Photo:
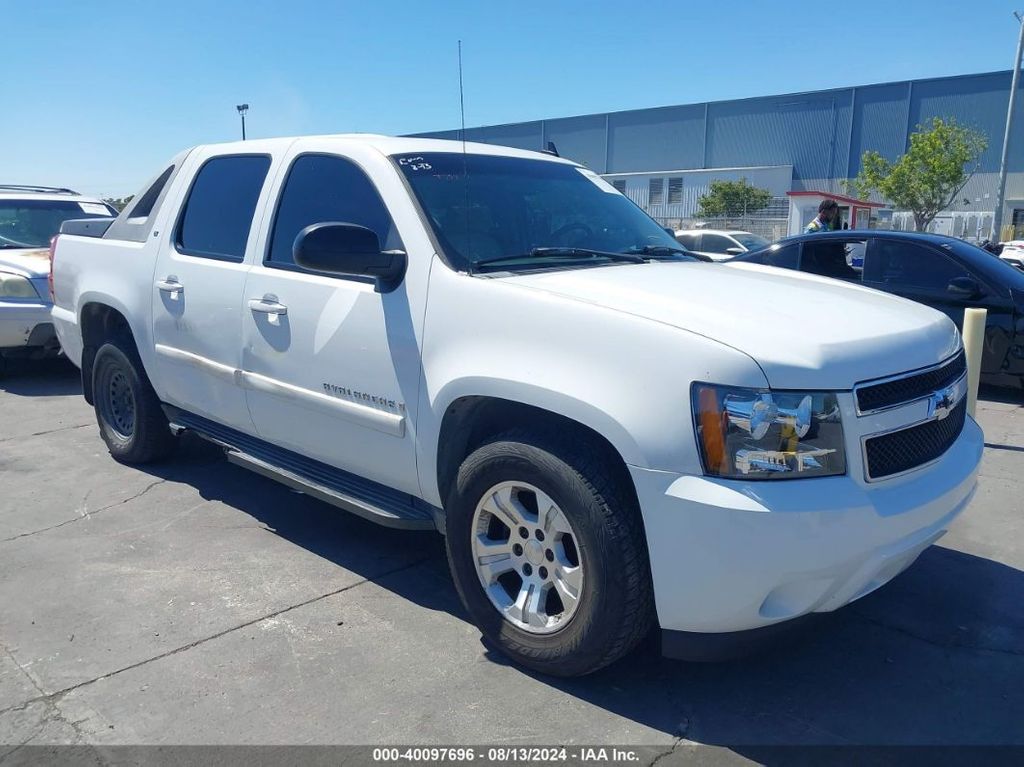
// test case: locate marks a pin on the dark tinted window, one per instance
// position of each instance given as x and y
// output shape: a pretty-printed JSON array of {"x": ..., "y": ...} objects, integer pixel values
[
  {"x": 31, "y": 223},
  {"x": 143, "y": 206},
  {"x": 323, "y": 188},
  {"x": 483, "y": 207},
  {"x": 688, "y": 241},
  {"x": 899, "y": 264},
  {"x": 715, "y": 243},
  {"x": 840, "y": 259},
  {"x": 782, "y": 256},
  {"x": 220, "y": 206}
]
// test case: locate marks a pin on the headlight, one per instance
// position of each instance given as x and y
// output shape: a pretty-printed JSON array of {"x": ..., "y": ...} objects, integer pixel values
[
  {"x": 758, "y": 434},
  {"x": 16, "y": 286}
]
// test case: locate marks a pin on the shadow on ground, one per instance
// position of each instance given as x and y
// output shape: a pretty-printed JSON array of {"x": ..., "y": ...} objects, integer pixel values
[
  {"x": 933, "y": 658},
  {"x": 40, "y": 378}
]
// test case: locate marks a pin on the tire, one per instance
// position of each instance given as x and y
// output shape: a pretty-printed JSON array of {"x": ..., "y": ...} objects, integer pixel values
[
  {"x": 601, "y": 560},
  {"x": 129, "y": 415}
]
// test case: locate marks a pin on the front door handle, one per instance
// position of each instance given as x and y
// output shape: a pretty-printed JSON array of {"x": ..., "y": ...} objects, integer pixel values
[
  {"x": 170, "y": 285},
  {"x": 267, "y": 305}
]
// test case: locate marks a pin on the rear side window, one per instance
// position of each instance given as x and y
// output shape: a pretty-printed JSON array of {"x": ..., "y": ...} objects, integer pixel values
[
  {"x": 144, "y": 205},
  {"x": 218, "y": 212},
  {"x": 322, "y": 188},
  {"x": 898, "y": 264}
]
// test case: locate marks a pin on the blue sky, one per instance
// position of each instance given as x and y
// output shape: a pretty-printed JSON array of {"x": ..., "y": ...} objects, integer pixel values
[{"x": 96, "y": 95}]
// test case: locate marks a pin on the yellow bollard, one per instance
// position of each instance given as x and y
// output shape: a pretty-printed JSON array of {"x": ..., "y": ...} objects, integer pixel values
[{"x": 974, "y": 341}]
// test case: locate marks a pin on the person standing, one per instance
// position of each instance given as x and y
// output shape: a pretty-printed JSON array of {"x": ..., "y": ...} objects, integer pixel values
[{"x": 828, "y": 212}]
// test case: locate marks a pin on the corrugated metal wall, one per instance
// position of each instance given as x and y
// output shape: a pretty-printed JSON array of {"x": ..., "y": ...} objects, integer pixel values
[{"x": 821, "y": 134}]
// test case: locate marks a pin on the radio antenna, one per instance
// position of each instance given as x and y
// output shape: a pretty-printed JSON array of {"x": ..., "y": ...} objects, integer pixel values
[
  {"x": 465, "y": 162},
  {"x": 462, "y": 100}
]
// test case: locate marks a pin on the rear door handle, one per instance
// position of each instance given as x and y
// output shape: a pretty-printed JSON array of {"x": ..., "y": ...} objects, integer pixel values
[
  {"x": 267, "y": 305},
  {"x": 170, "y": 285}
]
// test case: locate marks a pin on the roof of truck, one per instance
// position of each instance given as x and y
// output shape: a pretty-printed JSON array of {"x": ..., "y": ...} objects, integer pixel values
[{"x": 390, "y": 145}]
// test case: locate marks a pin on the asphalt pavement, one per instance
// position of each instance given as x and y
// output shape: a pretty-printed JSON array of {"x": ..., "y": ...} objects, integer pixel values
[{"x": 193, "y": 602}]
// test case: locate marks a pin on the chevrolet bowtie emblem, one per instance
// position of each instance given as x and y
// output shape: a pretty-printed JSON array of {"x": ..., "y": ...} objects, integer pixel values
[{"x": 942, "y": 402}]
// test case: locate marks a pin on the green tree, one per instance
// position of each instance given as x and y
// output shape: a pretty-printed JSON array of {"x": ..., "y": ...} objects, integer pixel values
[
  {"x": 941, "y": 160},
  {"x": 732, "y": 198},
  {"x": 118, "y": 202}
]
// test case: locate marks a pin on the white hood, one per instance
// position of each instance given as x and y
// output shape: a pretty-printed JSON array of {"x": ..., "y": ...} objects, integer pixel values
[
  {"x": 804, "y": 331},
  {"x": 26, "y": 262}
]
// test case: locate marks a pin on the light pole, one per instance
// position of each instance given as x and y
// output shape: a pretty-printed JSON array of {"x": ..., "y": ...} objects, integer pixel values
[
  {"x": 242, "y": 109},
  {"x": 997, "y": 218}
]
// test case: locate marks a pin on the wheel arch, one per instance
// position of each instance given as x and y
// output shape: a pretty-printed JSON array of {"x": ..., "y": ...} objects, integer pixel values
[
  {"x": 471, "y": 420},
  {"x": 99, "y": 320}
]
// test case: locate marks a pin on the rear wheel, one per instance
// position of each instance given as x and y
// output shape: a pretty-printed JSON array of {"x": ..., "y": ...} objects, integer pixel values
[
  {"x": 128, "y": 412},
  {"x": 548, "y": 554}
]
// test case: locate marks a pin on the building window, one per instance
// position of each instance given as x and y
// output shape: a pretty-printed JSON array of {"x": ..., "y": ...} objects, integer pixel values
[
  {"x": 675, "y": 191},
  {"x": 656, "y": 191},
  {"x": 620, "y": 185}
]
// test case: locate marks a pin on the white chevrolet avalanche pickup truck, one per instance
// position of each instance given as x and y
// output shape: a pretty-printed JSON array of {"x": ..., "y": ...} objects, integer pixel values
[{"x": 497, "y": 344}]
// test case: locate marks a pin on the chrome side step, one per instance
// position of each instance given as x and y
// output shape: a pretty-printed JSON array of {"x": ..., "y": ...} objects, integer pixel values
[
  {"x": 326, "y": 494},
  {"x": 370, "y": 500}
]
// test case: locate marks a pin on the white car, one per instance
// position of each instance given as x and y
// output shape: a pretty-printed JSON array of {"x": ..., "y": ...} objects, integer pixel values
[
  {"x": 496, "y": 344},
  {"x": 1013, "y": 253},
  {"x": 719, "y": 244},
  {"x": 29, "y": 218}
]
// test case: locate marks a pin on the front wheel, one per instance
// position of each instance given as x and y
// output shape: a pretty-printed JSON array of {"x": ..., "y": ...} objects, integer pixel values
[
  {"x": 128, "y": 412},
  {"x": 548, "y": 554}
]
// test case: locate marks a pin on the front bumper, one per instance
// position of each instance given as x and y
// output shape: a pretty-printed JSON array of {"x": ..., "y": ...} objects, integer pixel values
[
  {"x": 731, "y": 556},
  {"x": 26, "y": 325}
]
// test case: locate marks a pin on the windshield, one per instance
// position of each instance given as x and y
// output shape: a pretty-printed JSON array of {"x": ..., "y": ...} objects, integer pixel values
[
  {"x": 31, "y": 223},
  {"x": 751, "y": 241},
  {"x": 524, "y": 213}
]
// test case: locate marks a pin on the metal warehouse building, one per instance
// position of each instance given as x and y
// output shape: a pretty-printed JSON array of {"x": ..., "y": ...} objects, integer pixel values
[{"x": 665, "y": 157}]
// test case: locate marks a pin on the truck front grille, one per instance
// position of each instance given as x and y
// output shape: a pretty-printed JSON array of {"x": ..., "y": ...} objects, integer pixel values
[
  {"x": 914, "y": 386},
  {"x": 900, "y": 451}
]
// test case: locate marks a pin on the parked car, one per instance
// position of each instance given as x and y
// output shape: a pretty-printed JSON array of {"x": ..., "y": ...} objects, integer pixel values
[
  {"x": 29, "y": 217},
  {"x": 610, "y": 435},
  {"x": 719, "y": 245},
  {"x": 1013, "y": 253},
  {"x": 945, "y": 273}
]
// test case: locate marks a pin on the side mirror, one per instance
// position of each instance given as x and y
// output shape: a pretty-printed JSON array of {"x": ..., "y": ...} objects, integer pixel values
[
  {"x": 348, "y": 249},
  {"x": 735, "y": 251},
  {"x": 964, "y": 287},
  {"x": 670, "y": 231}
]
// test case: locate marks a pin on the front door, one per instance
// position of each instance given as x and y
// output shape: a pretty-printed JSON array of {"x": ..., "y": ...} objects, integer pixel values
[
  {"x": 926, "y": 274},
  {"x": 330, "y": 363},
  {"x": 197, "y": 295}
]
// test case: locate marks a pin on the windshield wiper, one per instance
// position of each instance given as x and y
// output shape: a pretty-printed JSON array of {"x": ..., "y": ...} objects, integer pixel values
[
  {"x": 659, "y": 250},
  {"x": 632, "y": 258}
]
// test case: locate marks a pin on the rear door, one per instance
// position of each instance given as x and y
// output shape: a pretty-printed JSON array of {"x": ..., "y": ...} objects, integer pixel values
[
  {"x": 197, "y": 294},
  {"x": 934, "y": 277}
]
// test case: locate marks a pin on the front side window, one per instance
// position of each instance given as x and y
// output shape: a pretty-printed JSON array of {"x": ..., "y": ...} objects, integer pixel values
[
  {"x": 898, "y": 264},
  {"x": 218, "y": 213},
  {"x": 750, "y": 241},
  {"x": 322, "y": 188},
  {"x": 839, "y": 259},
  {"x": 715, "y": 243},
  {"x": 688, "y": 241},
  {"x": 30, "y": 223},
  {"x": 528, "y": 213}
]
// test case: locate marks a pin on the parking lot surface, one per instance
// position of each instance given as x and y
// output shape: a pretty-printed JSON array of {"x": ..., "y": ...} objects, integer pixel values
[{"x": 193, "y": 602}]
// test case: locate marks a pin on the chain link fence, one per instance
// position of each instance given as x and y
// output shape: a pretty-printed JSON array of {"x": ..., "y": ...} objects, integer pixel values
[{"x": 770, "y": 222}]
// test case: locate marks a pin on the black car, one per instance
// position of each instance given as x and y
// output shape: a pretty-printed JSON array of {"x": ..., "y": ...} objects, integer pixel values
[{"x": 943, "y": 272}]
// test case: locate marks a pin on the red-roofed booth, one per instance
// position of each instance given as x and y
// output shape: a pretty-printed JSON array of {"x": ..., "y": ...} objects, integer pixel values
[{"x": 803, "y": 207}]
